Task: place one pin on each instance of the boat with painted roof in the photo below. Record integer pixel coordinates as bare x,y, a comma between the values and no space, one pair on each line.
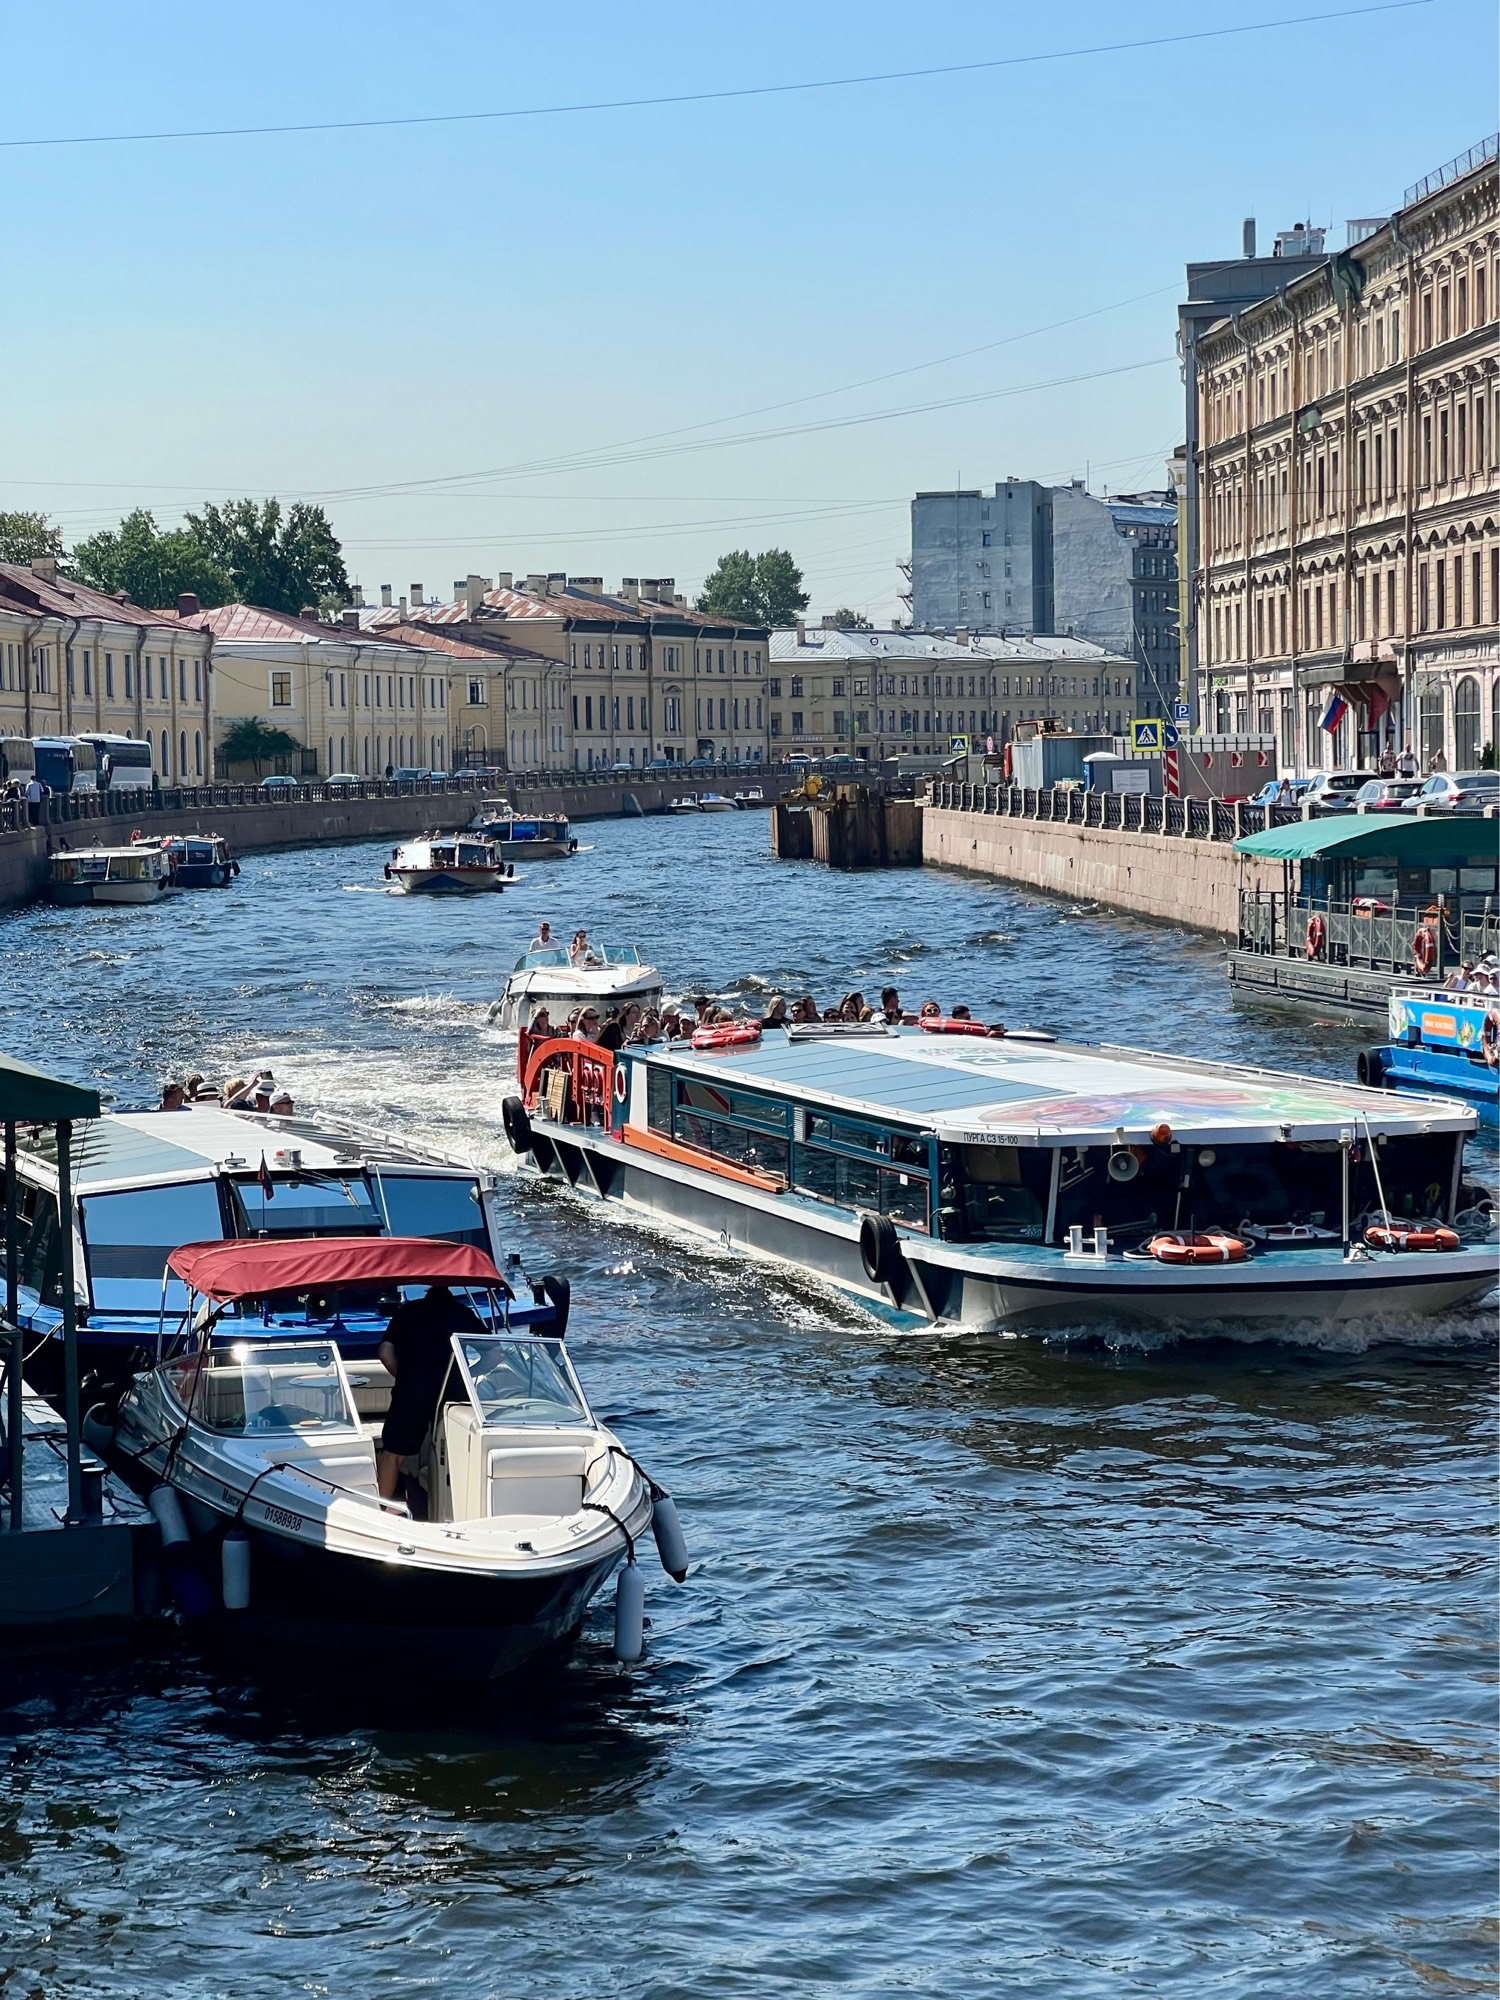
943,1173
1440,1041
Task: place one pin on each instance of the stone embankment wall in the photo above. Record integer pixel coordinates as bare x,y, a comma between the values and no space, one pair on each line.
1183,881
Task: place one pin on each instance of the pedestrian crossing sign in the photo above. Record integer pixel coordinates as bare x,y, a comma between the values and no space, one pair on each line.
1146,736
958,746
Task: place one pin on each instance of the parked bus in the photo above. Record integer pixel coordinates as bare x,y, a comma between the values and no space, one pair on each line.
17,760
124,764
66,763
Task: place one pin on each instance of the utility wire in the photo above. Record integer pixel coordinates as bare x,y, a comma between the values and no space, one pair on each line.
705,96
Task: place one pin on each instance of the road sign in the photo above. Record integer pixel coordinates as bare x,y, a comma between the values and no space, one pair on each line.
1171,776
1169,737
1146,735
958,746
1181,712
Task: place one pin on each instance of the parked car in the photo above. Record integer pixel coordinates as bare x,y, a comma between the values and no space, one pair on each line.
663,764
1457,791
279,782
1270,794
345,778
702,764
409,774
1386,794
1334,791
630,768
796,757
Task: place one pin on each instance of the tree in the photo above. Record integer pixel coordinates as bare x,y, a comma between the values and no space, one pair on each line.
755,590
151,567
851,621
281,558
251,741
23,536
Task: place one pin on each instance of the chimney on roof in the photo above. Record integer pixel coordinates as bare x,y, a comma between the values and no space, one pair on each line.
458,588
187,604
385,597
503,579
801,631
358,596
417,599
556,580
830,623
309,611
961,637
474,588
44,567
630,589
350,616
536,586
403,610
1247,236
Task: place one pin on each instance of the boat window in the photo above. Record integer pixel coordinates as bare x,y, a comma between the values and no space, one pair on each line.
266,1391
856,1183
128,1237
308,1205
1480,881
39,1263
549,955
618,954
746,1106
659,1098
520,1382
993,1194
434,1205
741,1144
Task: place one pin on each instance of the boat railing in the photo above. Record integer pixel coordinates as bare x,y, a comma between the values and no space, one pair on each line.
1367,934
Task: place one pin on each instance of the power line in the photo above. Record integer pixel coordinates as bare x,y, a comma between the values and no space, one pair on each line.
704,96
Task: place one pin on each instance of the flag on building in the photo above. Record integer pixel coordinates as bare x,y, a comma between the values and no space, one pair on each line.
1334,714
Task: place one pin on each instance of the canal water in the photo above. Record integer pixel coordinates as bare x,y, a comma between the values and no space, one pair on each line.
1085,1666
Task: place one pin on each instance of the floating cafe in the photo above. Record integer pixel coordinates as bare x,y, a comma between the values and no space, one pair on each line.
208,1414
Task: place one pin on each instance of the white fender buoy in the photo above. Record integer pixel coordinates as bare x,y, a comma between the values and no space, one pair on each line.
236,1555
166,1511
630,1614
671,1543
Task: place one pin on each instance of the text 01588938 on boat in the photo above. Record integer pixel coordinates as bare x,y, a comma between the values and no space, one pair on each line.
962,1177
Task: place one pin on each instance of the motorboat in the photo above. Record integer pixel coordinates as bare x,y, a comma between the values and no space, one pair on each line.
255,1448
1440,1041
714,802
140,873
749,795
949,1173
688,802
609,976
198,860
537,836
447,864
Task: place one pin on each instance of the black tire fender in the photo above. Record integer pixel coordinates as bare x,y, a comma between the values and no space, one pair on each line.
1370,1069
517,1125
558,1293
879,1249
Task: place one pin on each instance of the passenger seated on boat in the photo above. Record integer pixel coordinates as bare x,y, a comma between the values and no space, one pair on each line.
805,1011
612,1035
587,1026
931,1011
173,1097
281,1105
581,952
775,1014
630,1020
417,1350
1459,978
832,1014
852,1007
539,1028
646,1029
960,1013
544,940
890,1007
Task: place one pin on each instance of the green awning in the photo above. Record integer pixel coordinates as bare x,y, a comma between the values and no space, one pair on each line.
1454,840
30,1097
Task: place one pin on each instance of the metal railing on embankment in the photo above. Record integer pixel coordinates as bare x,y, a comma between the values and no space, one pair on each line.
1126,812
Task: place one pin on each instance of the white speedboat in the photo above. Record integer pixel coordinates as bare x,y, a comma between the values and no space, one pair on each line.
140,873
611,976
688,803
714,802
538,836
447,864
256,1451
749,795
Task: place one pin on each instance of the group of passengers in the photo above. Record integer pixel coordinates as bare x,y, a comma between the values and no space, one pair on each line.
1481,976
580,951
258,1092
632,1025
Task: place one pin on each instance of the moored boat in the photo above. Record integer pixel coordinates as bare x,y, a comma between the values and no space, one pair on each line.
688,802
610,976
714,802
199,860
538,836
944,1173
447,864
1448,1042
140,873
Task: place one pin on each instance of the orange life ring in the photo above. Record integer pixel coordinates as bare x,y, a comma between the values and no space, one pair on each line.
941,1024
727,1035
1423,948
1411,1236
1489,1038
1211,1246
1317,936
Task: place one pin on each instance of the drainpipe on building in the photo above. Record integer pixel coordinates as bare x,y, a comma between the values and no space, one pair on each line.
65,691
1234,320
1411,729
1294,488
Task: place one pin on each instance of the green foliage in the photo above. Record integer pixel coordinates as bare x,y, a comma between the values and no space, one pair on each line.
280,558
23,536
251,741
851,621
150,566
755,590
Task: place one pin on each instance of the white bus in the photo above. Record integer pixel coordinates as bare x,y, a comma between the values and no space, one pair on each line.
124,765
17,760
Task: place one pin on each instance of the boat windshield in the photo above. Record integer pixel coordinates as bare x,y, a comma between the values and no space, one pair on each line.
532,961
520,1382
259,1391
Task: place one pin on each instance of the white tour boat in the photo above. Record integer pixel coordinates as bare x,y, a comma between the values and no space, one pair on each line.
610,976
140,873
256,1449
537,836
945,1173
447,864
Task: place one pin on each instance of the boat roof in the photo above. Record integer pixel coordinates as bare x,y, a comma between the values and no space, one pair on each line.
1458,839
31,1097
1004,1092
250,1267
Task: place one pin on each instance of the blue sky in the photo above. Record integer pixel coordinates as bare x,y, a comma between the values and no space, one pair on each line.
317,313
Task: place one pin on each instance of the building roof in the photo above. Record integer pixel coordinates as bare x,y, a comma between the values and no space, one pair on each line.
1456,839
472,644
571,605
68,599
254,624
828,643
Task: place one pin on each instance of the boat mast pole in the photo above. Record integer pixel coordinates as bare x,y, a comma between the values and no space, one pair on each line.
15,1417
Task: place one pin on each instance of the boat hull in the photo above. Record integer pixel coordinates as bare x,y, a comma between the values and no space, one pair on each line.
1452,1074
76,894
562,992
447,881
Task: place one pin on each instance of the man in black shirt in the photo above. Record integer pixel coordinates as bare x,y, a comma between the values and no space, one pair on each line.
417,1349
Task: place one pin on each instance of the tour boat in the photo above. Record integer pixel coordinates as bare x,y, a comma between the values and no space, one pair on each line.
688,802
447,864
538,836
140,873
256,1450
714,802
199,860
611,976
1448,1042
944,1173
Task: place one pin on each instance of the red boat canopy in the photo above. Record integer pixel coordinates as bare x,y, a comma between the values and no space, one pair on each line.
249,1267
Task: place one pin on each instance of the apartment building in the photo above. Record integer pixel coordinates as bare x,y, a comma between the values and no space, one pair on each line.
76,660
1347,486
490,682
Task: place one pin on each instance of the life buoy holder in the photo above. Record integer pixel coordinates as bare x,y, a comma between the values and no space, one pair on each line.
622,1084
727,1035
942,1024
1317,936
1211,1246
1489,1038
1395,1235
1423,948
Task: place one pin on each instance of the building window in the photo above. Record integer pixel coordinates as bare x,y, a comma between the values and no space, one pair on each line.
775,689
476,694
796,722
281,690
796,687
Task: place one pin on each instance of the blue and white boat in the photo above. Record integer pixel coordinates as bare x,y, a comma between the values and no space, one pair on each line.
1449,1042
953,1176
537,836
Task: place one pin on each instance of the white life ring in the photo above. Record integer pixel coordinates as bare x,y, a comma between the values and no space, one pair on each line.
622,1083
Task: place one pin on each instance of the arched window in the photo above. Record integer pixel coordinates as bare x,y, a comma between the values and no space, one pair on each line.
1430,709
166,755
1495,718
197,753
182,763
1466,724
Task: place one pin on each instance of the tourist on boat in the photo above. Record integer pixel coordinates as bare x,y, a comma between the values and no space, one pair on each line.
931,1011
630,1018
540,1026
581,951
544,940
646,1029
960,1013
612,1035
805,1011
775,1014
1459,979
173,1097
416,1349
890,1006
587,1029
851,1006
281,1105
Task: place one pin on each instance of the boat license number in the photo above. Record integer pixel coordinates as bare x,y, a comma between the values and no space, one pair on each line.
278,1517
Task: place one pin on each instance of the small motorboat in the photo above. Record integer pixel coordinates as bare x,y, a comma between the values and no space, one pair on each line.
447,864
256,1454
610,976
688,803
749,795
715,802
140,873
1440,1041
538,836
200,860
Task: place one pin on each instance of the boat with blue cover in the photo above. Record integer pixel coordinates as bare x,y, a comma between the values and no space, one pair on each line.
946,1173
1449,1042
537,836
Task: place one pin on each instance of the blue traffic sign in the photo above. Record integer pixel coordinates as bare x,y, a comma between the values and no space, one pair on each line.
1181,712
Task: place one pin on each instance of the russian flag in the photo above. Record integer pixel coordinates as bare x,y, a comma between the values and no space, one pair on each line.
1334,714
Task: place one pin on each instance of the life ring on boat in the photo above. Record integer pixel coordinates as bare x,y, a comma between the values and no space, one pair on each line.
622,1083
1212,1246
1489,1038
942,1024
727,1035
879,1249
1370,1069
1317,936
1393,1235
1423,948
517,1125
